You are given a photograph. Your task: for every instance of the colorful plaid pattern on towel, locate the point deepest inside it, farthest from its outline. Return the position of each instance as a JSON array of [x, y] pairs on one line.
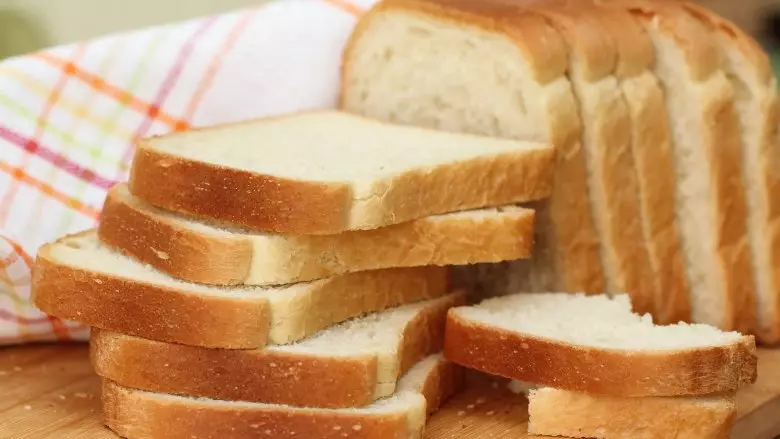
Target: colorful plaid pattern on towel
[[69, 118]]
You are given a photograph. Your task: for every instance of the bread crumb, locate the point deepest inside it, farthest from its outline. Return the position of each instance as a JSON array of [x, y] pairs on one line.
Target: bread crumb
[[470, 406], [161, 254], [17, 369], [461, 413], [524, 345], [81, 395], [357, 427], [62, 397], [272, 364], [98, 281], [28, 407], [268, 432], [337, 427], [491, 413], [254, 425]]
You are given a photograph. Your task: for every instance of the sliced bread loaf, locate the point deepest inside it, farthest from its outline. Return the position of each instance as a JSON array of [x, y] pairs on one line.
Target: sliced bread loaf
[[606, 140], [485, 68], [653, 158], [358, 173], [554, 412], [198, 252], [756, 101], [138, 414], [78, 278], [348, 365], [711, 205], [595, 344]]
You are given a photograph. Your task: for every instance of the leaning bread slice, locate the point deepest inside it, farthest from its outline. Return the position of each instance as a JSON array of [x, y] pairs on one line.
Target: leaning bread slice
[[198, 252], [756, 101], [596, 344], [348, 365], [138, 414], [554, 412], [80, 279], [327, 172]]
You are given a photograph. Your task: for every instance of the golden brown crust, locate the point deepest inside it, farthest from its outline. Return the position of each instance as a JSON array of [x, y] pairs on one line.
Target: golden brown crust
[[137, 414], [265, 375], [599, 371], [111, 302], [246, 199], [179, 252], [571, 414], [138, 230]]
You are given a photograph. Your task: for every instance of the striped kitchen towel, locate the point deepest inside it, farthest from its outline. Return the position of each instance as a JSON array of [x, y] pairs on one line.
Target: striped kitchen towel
[[69, 117]]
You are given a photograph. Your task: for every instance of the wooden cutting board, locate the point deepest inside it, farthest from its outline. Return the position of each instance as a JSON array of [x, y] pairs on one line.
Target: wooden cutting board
[[50, 392]]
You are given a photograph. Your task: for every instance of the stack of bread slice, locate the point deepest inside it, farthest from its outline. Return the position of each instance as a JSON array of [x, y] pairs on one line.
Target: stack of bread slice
[[665, 119], [288, 277], [603, 371]]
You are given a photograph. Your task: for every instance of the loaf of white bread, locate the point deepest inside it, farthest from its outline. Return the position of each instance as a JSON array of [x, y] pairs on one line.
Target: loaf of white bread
[[664, 119]]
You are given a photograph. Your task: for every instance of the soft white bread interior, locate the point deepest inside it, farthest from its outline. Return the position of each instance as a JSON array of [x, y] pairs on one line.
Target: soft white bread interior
[[358, 173], [554, 412], [596, 344], [347, 365], [200, 252], [138, 414], [79, 278], [484, 68]]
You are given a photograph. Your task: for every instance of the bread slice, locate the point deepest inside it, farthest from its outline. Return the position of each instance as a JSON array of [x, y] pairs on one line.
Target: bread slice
[[554, 412], [77, 278], [606, 140], [654, 162], [595, 344], [711, 205], [198, 252], [484, 68], [348, 365], [138, 414], [756, 100], [326, 172]]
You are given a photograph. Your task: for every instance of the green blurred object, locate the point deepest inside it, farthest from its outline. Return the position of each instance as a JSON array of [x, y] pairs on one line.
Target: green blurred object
[[19, 34]]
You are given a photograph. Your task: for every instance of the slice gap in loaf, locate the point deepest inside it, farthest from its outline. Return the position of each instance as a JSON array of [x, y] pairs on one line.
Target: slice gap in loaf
[[138, 414], [347, 365], [554, 412], [81, 279], [595, 344], [326, 172], [209, 253], [514, 87]]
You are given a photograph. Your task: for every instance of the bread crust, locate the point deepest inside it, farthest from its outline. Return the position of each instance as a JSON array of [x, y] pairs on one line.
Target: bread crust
[[262, 202], [564, 221], [178, 315], [555, 412], [269, 375], [760, 87], [599, 371], [137, 414], [137, 230]]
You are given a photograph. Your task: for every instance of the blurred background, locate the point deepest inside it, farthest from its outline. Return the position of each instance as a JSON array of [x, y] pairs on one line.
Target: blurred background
[[28, 25]]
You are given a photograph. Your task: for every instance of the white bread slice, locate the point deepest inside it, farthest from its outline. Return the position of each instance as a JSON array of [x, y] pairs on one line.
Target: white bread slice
[[138, 414], [77, 278], [198, 252], [484, 68], [325, 172], [711, 205], [595, 344], [348, 365], [653, 158], [756, 101], [606, 140], [554, 412]]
